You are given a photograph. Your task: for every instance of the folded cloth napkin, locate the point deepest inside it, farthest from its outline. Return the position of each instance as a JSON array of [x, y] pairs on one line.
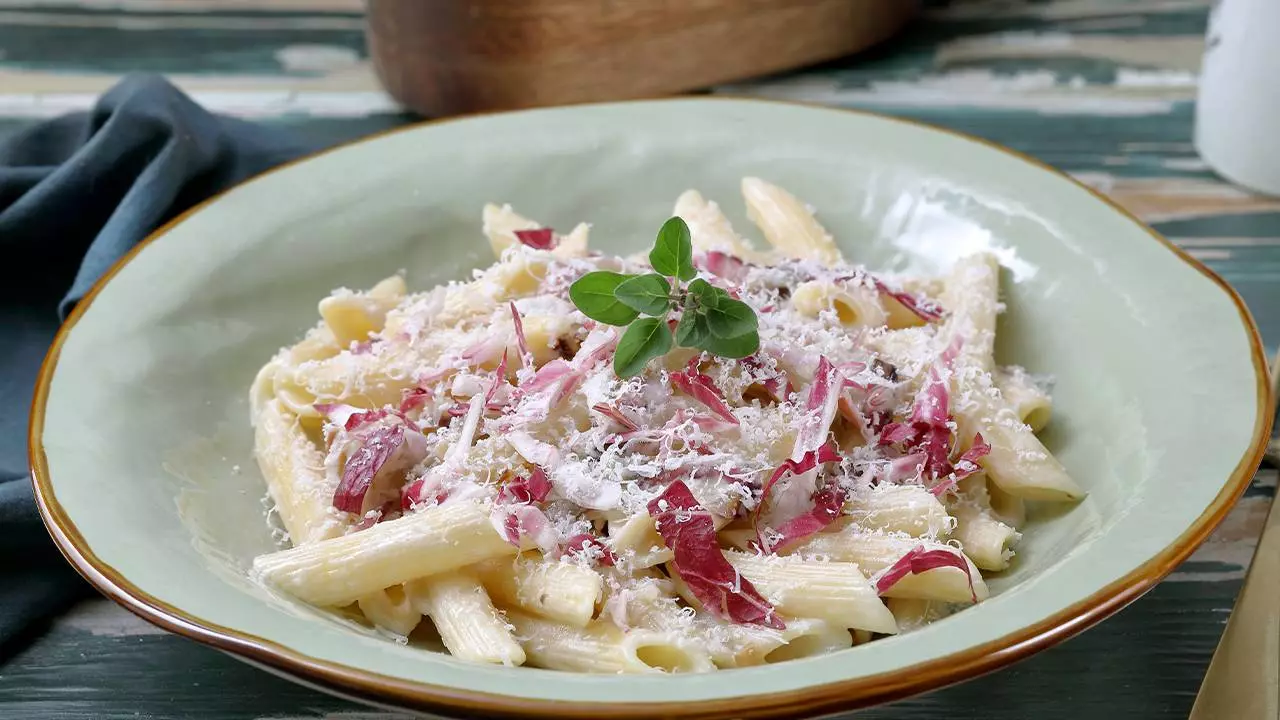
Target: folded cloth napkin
[[76, 193]]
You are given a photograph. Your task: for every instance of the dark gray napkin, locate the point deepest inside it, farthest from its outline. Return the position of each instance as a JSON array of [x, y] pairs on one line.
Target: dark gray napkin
[[76, 193]]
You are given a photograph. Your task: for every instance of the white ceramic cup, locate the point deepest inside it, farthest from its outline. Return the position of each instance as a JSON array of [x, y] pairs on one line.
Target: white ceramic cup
[[1238, 111]]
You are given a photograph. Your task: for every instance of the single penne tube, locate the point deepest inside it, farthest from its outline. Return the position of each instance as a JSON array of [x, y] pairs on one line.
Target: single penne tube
[[914, 613], [854, 306], [971, 297], [575, 244], [710, 230], [469, 625], [908, 509], [734, 645], [729, 644], [986, 541], [294, 470], [361, 380], [787, 223], [1032, 405], [391, 609], [1017, 462], [604, 648], [636, 541], [873, 552], [500, 223], [353, 317], [833, 591], [1008, 509], [341, 570], [562, 591]]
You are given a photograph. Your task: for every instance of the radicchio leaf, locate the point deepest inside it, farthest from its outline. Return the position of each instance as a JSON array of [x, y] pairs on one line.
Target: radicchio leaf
[[827, 504], [514, 521], [413, 398], [967, 464], [919, 560], [616, 415], [592, 547], [538, 238], [416, 493], [686, 527], [515, 513], [700, 387], [547, 375], [531, 489], [725, 266], [821, 404], [374, 450], [811, 460], [499, 382]]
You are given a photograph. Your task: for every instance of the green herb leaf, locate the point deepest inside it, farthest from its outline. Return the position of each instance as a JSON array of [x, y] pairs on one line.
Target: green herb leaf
[[672, 254], [650, 294], [704, 293], [735, 347], [731, 318], [644, 340], [692, 330], [593, 293]]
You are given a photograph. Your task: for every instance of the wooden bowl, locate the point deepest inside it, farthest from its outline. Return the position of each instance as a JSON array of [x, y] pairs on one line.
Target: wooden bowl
[[441, 57]]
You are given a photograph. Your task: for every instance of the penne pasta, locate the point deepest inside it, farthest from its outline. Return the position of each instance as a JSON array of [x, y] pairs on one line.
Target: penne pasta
[[296, 480], [914, 613], [1029, 403], [391, 609], [907, 509], [787, 224], [874, 552], [469, 625], [353, 317], [604, 648], [699, 456], [710, 230], [561, 591], [832, 591], [852, 306], [636, 539], [341, 570]]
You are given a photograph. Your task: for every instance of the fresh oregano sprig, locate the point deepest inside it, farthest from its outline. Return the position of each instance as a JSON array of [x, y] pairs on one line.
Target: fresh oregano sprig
[[710, 319]]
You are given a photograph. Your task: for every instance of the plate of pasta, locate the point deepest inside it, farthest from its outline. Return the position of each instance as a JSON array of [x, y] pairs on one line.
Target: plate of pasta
[[687, 408]]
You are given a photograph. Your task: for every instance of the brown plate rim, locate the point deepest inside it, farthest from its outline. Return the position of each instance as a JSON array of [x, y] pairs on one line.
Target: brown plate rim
[[841, 695]]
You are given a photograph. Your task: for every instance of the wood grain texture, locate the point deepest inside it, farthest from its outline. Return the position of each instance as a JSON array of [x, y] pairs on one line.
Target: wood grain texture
[[442, 58], [1100, 88]]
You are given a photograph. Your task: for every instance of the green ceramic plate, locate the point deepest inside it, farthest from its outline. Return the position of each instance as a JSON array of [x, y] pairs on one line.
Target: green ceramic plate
[[141, 444]]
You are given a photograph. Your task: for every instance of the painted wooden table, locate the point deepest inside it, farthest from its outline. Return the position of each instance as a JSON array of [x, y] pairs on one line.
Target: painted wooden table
[[1101, 88]]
